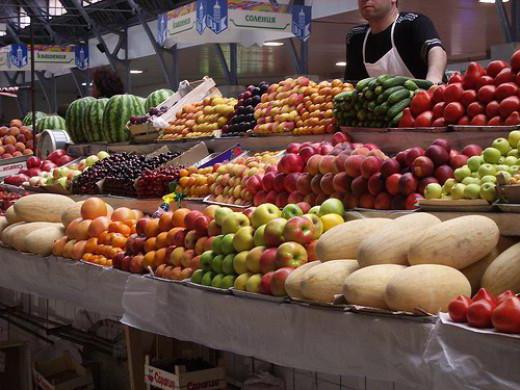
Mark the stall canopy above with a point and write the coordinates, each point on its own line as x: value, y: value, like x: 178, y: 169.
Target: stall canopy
x: 50, y: 58
x: 232, y: 21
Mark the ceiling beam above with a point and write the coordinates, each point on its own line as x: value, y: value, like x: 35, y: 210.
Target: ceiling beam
x: 35, y: 11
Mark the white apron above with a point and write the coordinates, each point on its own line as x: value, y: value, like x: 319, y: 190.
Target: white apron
x: 391, y: 63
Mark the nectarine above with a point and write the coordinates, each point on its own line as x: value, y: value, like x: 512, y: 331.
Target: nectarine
x: 93, y: 208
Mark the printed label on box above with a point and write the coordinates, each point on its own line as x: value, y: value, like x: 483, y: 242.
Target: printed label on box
x: 159, y: 378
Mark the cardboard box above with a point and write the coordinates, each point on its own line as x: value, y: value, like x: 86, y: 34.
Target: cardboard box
x: 191, y: 156
x: 211, y: 379
x: 62, y: 373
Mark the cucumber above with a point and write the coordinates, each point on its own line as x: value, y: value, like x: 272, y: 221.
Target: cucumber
x: 369, y: 95
x: 390, y: 91
x: 380, y: 99
x: 372, y: 83
x: 395, y: 120
x: 397, y: 96
x: 382, y: 78
x: 361, y: 115
x: 372, y: 106
x: 397, y: 108
x: 363, y: 83
x: 379, y: 90
x: 394, y: 81
x: 381, y: 109
x: 410, y: 85
x: 423, y: 84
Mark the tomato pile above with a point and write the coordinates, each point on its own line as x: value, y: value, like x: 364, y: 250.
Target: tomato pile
x: 487, y: 311
x: 479, y: 97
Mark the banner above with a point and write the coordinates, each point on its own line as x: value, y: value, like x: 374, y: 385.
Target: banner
x: 229, y: 21
x: 17, y: 57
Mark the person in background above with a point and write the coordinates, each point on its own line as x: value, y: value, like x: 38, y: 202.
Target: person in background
x: 399, y: 44
x: 106, y: 83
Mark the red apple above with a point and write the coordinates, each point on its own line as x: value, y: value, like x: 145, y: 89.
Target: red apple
x: 304, y: 183
x: 200, y: 224
x: 326, y: 183
x: 328, y: 165
x: 268, y: 181
x: 407, y: 184
x: 268, y: 260
x: 306, y: 153
x: 370, y: 166
x: 472, y: 150
x: 458, y: 160
x: 254, y: 184
x: 437, y: 154
x: 291, y: 162
x: 125, y: 263
x: 190, y: 218
x: 48, y: 166
x: 382, y: 201
x: 422, y: 167
x: 340, y: 161
x: 278, y: 281
x: 300, y: 230
x: 271, y: 197
x: 412, y: 154
x: 293, y: 147
x: 265, y: 283
x: 392, y: 184
x: 282, y: 199
x: 117, y: 260
x: 353, y: 165
x: 339, y: 138
x: 376, y: 184
x: 295, y: 197
x: 443, y: 173
x: 341, y: 182
x: 401, y: 158
x: 259, y: 198
x: 444, y: 143
x: 390, y: 166
x: 279, y: 182
x: 359, y: 186
x: 315, y: 184
x: 313, y: 164
x: 304, y: 206
x: 326, y: 148
x: 291, y: 182
x: 290, y: 254
x: 33, y: 162
x: 310, y: 198
x: 367, y: 201
x: 34, y: 172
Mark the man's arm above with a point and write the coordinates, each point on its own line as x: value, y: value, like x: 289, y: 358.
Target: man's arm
x: 437, y: 60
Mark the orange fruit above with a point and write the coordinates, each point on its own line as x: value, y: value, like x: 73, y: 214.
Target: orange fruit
x: 150, y: 244
x: 162, y: 240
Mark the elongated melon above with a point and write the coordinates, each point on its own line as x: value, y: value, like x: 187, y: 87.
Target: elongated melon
x: 504, y: 272
x: 457, y: 243
x: 11, y: 216
x: 293, y: 281
x: 41, y: 241
x: 390, y: 245
x: 71, y: 214
x: 20, y: 233
x: 324, y: 281
x: 6, y: 233
x: 475, y: 271
x: 429, y: 287
x: 342, y: 241
x: 42, y: 207
x: 3, y: 223
x: 366, y: 286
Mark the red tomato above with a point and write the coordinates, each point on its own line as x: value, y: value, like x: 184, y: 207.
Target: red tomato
x: 506, y: 317
x: 508, y: 106
x: 472, y: 75
x: 424, y: 119
x: 455, y: 78
x: 513, y: 119
x: 439, y: 122
x: 494, y: 67
x: 486, y: 93
x: 453, y: 93
x: 517, y: 78
x: 453, y: 112
x: 515, y: 61
x: 438, y: 110
x: 421, y: 102
x: 505, y: 76
x: 458, y: 308
x: 464, y: 121
x: 485, y: 80
x: 492, y: 109
x: 506, y: 90
x: 407, y: 119
x: 469, y: 96
x: 479, y: 120
x: 482, y: 293
x: 474, y: 108
x: 438, y: 94
x: 479, y: 313
x: 506, y: 294
x: 495, y: 121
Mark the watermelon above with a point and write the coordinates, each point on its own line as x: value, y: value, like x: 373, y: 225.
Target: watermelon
x: 93, y: 126
x: 27, y: 119
x: 156, y: 98
x: 75, y: 118
x: 116, y: 115
x: 51, y: 122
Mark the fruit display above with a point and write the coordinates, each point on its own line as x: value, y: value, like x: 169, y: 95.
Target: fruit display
x: 15, y: 140
x: 76, y: 118
x: 243, y: 119
x: 479, y: 97
x: 27, y: 119
x: 51, y: 122
x: 377, y: 101
x: 195, y: 182
x: 116, y: 115
x: 299, y: 106
x: 200, y: 119
x: 156, y: 98
x: 154, y: 183
x: 487, y: 311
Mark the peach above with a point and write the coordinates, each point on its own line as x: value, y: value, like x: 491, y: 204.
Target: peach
x: 152, y: 228
x: 176, y: 256
x: 98, y: 225
x: 57, y: 248
x: 150, y: 244
x: 123, y: 214
x: 186, y: 257
x: 19, y: 146
x: 93, y: 208
x: 91, y: 245
x: 178, y: 217
x: 78, y: 249
x: 119, y: 241
x: 176, y: 274
x: 160, y: 257
x: 186, y: 273
x: 165, y: 221
x: 149, y: 259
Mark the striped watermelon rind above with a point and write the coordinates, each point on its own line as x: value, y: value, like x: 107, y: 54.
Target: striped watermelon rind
x: 75, y: 118
x: 116, y: 115
x: 156, y: 98
x: 93, y: 126
x: 51, y: 122
x: 27, y: 119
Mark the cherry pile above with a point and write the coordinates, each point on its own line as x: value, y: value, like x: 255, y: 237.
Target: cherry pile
x: 244, y: 117
x: 155, y: 183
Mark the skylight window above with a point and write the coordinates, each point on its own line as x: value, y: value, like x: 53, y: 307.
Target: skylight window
x: 23, y: 19
x: 56, y: 8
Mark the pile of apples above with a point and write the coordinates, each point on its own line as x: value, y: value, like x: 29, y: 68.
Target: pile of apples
x: 299, y: 106
x: 99, y: 235
x: 15, y: 140
x: 479, y: 97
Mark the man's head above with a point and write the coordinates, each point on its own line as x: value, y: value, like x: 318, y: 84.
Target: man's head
x: 373, y: 10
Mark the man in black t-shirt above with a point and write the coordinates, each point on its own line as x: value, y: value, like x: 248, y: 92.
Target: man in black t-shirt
x: 401, y: 44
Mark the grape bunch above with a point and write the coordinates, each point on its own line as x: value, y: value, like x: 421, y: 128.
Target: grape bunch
x: 155, y: 183
x: 119, y: 169
x: 244, y: 117
x: 154, y: 111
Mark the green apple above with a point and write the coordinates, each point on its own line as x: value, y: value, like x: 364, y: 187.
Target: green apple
x: 502, y: 145
x: 488, y: 192
x: 227, y: 244
x: 315, y: 210
x: 205, y: 260
x: 217, y: 281
x: 227, y: 281
x: 514, y: 138
x: 207, y: 278
x: 102, y: 155
x: 332, y: 206
x: 514, y: 153
x: 502, y: 168
x: 253, y: 259
x: 502, y: 160
x: 216, y: 264
x: 196, y: 277
x: 514, y: 169
x: 488, y: 179
x: 475, y: 174
x: 62, y: 181
x: 216, y: 245
x: 240, y: 262
x: 91, y: 160
x: 457, y: 191
x: 243, y: 240
x: 265, y: 213
x: 433, y: 191
x: 291, y: 210
x: 506, y: 176
x: 492, y: 155
x: 253, y: 283
x: 448, y: 185
x: 487, y: 170
x: 258, y: 238
x: 474, y: 162
x: 241, y: 281
x: 462, y: 172
x: 511, y: 160
x: 470, y: 180
x: 234, y: 221
x: 318, y: 225
x: 221, y: 213
x: 227, y: 264
x: 472, y: 191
